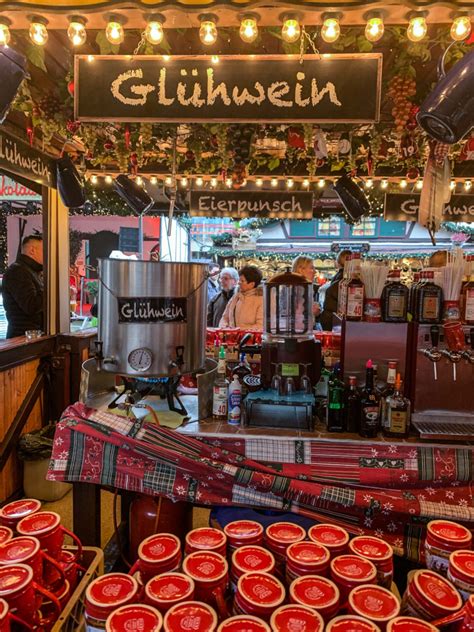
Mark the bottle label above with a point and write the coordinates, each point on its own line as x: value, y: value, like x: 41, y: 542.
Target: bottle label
x: 371, y: 416
x: 469, y: 310
x: 396, y: 305
x: 355, y: 301
x: 235, y: 400
x: 219, y: 401
x: 430, y: 308
x: 397, y: 421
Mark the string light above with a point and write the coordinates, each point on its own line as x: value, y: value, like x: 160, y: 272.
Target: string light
x: 248, y: 28
x: 108, y: 179
x: 184, y: 182
x: 419, y: 184
x: 290, y: 183
x: 374, y: 28
x: 461, y: 28
x: 306, y: 183
x: 213, y: 182
x: 417, y: 27
x: 384, y: 183
x: 139, y: 181
x: 403, y: 184
x: 259, y: 182
x: 369, y: 183
x: 208, y: 30
x: 228, y: 182
x: 321, y: 183
x: 291, y: 29
x: 154, y: 29
x: 154, y: 180
x: 331, y: 30
x: 274, y: 182
x: 215, y: 59
x: 452, y: 185
x: 114, y: 32
x: 90, y: 58
x: 5, y: 34
x: 169, y: 181
x: 199, y: 181
x: 76, y: 31
x: 468, y: 185
x: 94, y: 179
x: 38, y: 32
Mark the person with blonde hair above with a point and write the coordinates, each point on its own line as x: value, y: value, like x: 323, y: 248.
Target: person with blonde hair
x: 304, y: 265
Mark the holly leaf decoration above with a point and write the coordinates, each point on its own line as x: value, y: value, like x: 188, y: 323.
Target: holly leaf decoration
x: 35, y: 55
x: 364, y: 45
x: 105, y: 47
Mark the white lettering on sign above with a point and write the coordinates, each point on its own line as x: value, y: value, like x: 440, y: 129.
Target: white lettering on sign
x: 201, y: 91
x: 410, y: 207
x: 12, y: 154
x: 211, y: 203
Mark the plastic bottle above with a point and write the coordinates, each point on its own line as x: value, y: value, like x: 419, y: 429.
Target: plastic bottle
x: 220, y: 389
x: 235, y: 401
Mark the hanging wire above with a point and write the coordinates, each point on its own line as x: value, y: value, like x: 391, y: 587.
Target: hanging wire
x: 140, y: 44
x: 307, y: 41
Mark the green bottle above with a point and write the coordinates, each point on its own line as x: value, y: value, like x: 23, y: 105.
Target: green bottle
x: 335, y: 407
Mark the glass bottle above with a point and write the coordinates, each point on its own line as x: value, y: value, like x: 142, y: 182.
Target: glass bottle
x: 355, y: 292
x: 352, y: 409
x: 429, y: 300
x: 241, y: 370
x: 335, y: 406
x: 220, y: 389
x: 398, y: 412
x: 342, y: 289
x: 387, y: 391
x: 369, y: 405
x: 411, y: 294
x: 395, y: 300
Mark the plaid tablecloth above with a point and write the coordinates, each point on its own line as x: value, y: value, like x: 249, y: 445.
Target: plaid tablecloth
x: 383, y: 489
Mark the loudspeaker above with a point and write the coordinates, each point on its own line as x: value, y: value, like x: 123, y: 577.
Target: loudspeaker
x: 69, y: 183
x: 353, y: 198
x: 12, y: 73
x: 134, y: 195
x: 447, y: 114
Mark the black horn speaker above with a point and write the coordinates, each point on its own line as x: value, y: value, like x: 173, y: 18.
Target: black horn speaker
x: 353, y: 198
x: 69, y: 183
x: 134, y: 195
x: 12, y: 73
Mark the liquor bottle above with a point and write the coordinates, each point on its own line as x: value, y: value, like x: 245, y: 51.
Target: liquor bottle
x: 395, y: 300
x: 429, y: 300
x: 398, y: 412
x: 235, y: 401
x: 355, y: 292
x: 352, y: 408
x: 241, y: 370
x: 335, y: 407
x: 387, y: 391
x: 220, y: 389
x: 411, y: 295
x: 217, y: 346
x: 369, y: 405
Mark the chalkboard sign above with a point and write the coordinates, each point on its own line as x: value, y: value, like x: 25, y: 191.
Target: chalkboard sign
x: 152, y: 309
x: 237, y: 204
x: 19, y: 158
x: 274, y: 88
x: 128, y: 239
x: 403, y: 207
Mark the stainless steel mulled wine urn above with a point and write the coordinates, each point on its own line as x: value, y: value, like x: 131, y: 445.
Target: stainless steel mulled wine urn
x: 152, y: 317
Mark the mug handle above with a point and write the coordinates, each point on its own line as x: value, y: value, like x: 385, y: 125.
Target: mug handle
x: 19, y: 621
x: 134, y: 568
x: 218, y: 594
x: 74, y: 537
x: 57, y: 566
x: 53, y: 599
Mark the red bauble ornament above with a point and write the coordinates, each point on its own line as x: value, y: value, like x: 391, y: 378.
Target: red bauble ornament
x: 413, y: 173
x: 108, y: 146
x: 70, y: 87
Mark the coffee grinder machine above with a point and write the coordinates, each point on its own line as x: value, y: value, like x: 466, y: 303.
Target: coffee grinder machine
x: 291, y: 357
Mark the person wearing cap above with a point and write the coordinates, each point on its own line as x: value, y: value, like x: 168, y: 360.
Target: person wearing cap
x: 228, y: 278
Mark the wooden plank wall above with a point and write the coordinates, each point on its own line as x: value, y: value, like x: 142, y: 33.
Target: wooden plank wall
x: 14, y: 384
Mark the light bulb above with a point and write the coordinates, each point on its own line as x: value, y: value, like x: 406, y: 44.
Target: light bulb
x: 321, y: 183
x: 208, y: 32
x: 215, y: 59
x: 461, y: 28
x: 228, y: 182
x: 38, y: 33
x: 94, y: 179
x: 77, y: 33
x: 452, y: 185
x: 290, y: 183
x: 306, y: 183
x: 374, y: 29
x: 114, y: 33
x: 291, y: 30
x: 168, y: 181
x: 248, y: 29
x: 369, y: 183
x: 259, y: 182
x: 199, y: 182
x: 213, y: 182
x: 274, y: 182
x: 384, y: 183
x: 468, y: 185
x: 154, y: 32
x: 417, y: 28
x: 139, y: 181
x: 108, y: 179
x: 154, y: 180
x: 330, y: 30
x: 403, y: 184
x: 5, y: 35
x: 184, y: 182
x: 419, y: 184
x: 90, y: 58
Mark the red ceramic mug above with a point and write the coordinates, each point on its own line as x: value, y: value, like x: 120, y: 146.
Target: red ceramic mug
x: 47, y: 527
x: 26, y: 550
x: 244, y: 622
x: 206, y: 539
x: 166, y: 590
x: 5, y: 534
x: 159, y: 553
x: 331, y: 536
x: 351, y: 623
x: 6, y: 618
x: 380, y: 553
x: 374, y: 603
x: 298, y: 618
x: 136, y: 617
x: 70, y: 567
x: 105, y: 594
x: 210, y: 573
x: 350, y: 571
x: 318, y: 593
x: 194, y: 616
x: 258, y: 594
x: 24, y: 596
x: 12, y: 513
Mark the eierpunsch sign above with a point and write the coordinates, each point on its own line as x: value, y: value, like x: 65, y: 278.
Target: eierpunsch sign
x: 271, y: 88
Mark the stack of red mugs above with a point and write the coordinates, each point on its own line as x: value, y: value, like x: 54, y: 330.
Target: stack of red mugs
x: 242, y: 533
x: 442, y: 538
x: 250, y: 559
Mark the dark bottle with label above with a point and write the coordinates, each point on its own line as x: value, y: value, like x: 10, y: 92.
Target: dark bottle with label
x: 352, y: 409
x: 429, y: 299
x: 398, y: 412
x: 412, y: 293
x: 369, y: 405
x: 395, y: 300
x: 335, y: 406
x: 355, y: 292
x: 241, y: 370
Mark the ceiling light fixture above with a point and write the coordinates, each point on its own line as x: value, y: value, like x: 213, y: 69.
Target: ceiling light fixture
x: 384, y: 183
x: 331, y: 29
x: 76, y: 31
x: 38, y: 32
x: 374, y: 29
x: 249, y: 28
x: 208, y: 29
x: 417, y: 27
x: 291, y: 29
x: 154, y: 29
x: 114, y: 31
x: 461, y: 27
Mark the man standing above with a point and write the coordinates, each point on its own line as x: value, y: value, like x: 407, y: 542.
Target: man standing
x: 212, y: 281
x: 229, y: 278
x: 22, y: 288
x: 332, y: 292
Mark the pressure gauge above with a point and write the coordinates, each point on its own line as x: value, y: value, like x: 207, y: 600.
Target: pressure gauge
x: 140, y: 359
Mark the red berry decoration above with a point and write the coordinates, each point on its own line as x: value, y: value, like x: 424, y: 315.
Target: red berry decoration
x: 72, y: 126
x: 108, y: 146
x: 70, y: 88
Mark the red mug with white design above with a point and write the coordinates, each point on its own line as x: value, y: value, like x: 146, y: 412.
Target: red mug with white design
x: 351, y: 623
x: 430, y: 596
x: 242, y: 533
x: 5, y: 534
x: 206, y: 539
x: 296, y: 618
x: 250, y: 559
x: 461, y: 572
x: 105, y: 594
x: 380, y: 553
x: 350, y: 571
x: 374, y: 603
x: 279, y: 536
x: 47, y: 527
x: 410, y: 624
x: 334, y: 538
x: 210, y: 573
x: 26, y: 550
x: 241, y: 622
x: 159, y: 553
x: 318, y: 593
x: 194, y: 616
x: 168, y: 589
x: 25, y: 597
x: 306, y: 558
x: 70, y: 567
x: 136, y: 617
x: 12, y: 513
x: 442, y: 538
x: 7, y: 618
x: 258, y: 594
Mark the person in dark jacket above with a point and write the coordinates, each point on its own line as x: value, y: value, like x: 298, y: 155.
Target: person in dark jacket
x: 229, y: 278
x: 332, y: 293
x: 22, y: 289
x: 213, y: 288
